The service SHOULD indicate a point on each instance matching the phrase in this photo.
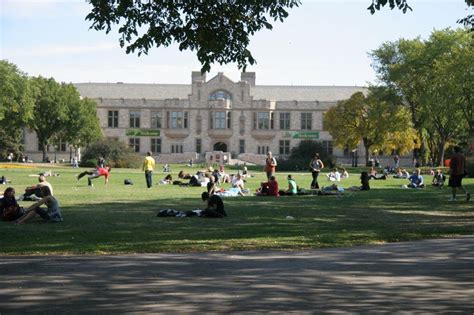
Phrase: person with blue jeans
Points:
(416, 180)
(148, 167)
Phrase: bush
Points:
(301, 156)
(116, 154)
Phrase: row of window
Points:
(218, 120)
(284, 146)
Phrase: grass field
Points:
(117, 219)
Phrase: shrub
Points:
(301, 156)
(116, 154)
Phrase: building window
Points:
(198, 146)
(263, 120)
(285, 121)
(262, 149)
(327, 145)
(346, 152)
(62, 145)
(134, 119)
(219, 120)
(178, 120)
(134, 143)
(284, 147)
(220, 95)
(155, 145)
(241, 146)
(113, 119)
(176, 148)
(306, 121)
(155, 117)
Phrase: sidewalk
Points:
(433, 276)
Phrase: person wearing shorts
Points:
(457, 171)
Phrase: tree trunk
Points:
(441, 150)
(366, 147)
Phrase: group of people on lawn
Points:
(42, 193)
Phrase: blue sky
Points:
(321, 43)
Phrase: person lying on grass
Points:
(51, 214)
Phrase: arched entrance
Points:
(220, 146)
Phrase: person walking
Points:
(148, 167)
(270, 165)
(315, 166)
(457, 170)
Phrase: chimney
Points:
(196, 76)
(249, 77)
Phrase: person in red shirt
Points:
(99, 171)
(269, 188)
(457, 170)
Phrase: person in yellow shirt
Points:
(148, 167)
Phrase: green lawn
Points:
(122, 219)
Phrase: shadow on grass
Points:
(356, 218)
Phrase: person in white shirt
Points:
(334, 175)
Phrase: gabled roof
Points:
(181, 91)
(304, 93)
(133, 90)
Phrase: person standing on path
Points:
(148, 167)
(457, 170)
(315, 166)
(270, 165)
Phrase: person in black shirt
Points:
(215, 206)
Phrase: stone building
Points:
(178, 122)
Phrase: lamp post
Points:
(55, 154)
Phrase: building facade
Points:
(178, 122)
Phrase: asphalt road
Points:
(433, 276)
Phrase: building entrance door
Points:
(220, 146)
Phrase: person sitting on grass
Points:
(344, 173)
(34, 192)
(416, 180)
(334, 175)
(292, 188)
(373, 174)
(364, 180)
(97, 172)
(215, 206)
(9, 208)
(438, 179)
(238, 182)
(51, 214)
(269, 188)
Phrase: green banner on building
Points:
(143, 132)
(308, 135)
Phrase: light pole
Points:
(55, 154)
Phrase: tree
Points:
(372, 120)
(60, 115)
(218, 30)
(83, 124)
(434, 79)
(16, 107)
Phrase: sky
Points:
(320, 43)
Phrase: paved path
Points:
(434, 276)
